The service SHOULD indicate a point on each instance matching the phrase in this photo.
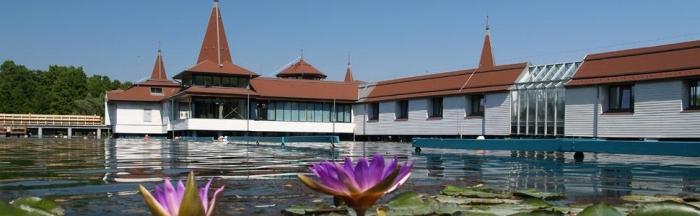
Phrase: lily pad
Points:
(469, 200)
(475, 192)
(600, 209)
(411, 203)
(538, 194)
(647, 199)
(37, 206)
(667, 208)
(8, 209)
(314, 210)
(540, 212)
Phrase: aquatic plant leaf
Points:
(647, 199)
(538, 194)
(8, 209)
(668, 208)
(535, 202)
(314, 210)
(152, 203)
(470, 192)
(36, 205)
(600, 209)
(411, 203)
(540, 212)
(470, 200)
(191, 204)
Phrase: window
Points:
(694, 94)
(147, 115)
(620, 99)
(477, 105)
(435, 108)
(402, 109)
(373, 112)
(156, 91)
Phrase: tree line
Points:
(58, 90)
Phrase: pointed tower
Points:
(158, 73)
(486, 55)
(348, 72)
(301, 70)
(215, 56)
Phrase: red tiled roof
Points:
(497, 78)
(486, 59)
(648, 63)
(158, 73)
(215, 56)
(140, 93)
(304, 89)
(301, 69)
(215, 90)
(348, 75)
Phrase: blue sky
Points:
(386, 39)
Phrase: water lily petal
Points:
(319, 187)
(210, 209)
(383, 186)
(347, 178)
(171, 202)
(404, 173)
(204, 194)
(376, 169)
(390, 168)
(191, 203)
(180, 192)
(152, 203)
(362, 174)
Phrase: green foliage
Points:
(600, 209)
(31, 206)
(60, 90)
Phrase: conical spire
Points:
(158, 69)
(215, 46)
(348, 72)
(486, 55)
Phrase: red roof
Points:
(215, 56)
(348, 74)
(215, 90)
(301, 69)
(140, 93)
(649, 63)
(486, 59)
(304, 89)
(496, 78)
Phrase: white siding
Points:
(579, 108)
(129, 118)
(658, 113)
(497, 114)
(261, 126)
(453, 121)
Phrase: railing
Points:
(55, 120)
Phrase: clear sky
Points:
(386, 39)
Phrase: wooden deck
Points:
(49, 120)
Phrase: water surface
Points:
(89, 177)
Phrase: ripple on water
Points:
(86, 174)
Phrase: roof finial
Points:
(158, 47)
(348, 59)
(488, 27)
(301, 56)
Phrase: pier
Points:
(72, 125)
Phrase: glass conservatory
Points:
(537, 100)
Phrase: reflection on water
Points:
(72, 170)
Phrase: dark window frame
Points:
(373, 112)
(619, 99)
(477, 105)
(436, 106)
(159, 91)
(402, 110)
(693, 96)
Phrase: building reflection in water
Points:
(136, 160)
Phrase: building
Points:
(648, 93)
(139, 109)
(468, 102)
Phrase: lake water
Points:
(90, 177)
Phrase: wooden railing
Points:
(56, 120)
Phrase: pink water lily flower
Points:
(168, 200)
(360, 186)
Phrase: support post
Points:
(40, 132)
(99, 133)
(70, 133)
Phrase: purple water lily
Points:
(168, 200)
(359, 187)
